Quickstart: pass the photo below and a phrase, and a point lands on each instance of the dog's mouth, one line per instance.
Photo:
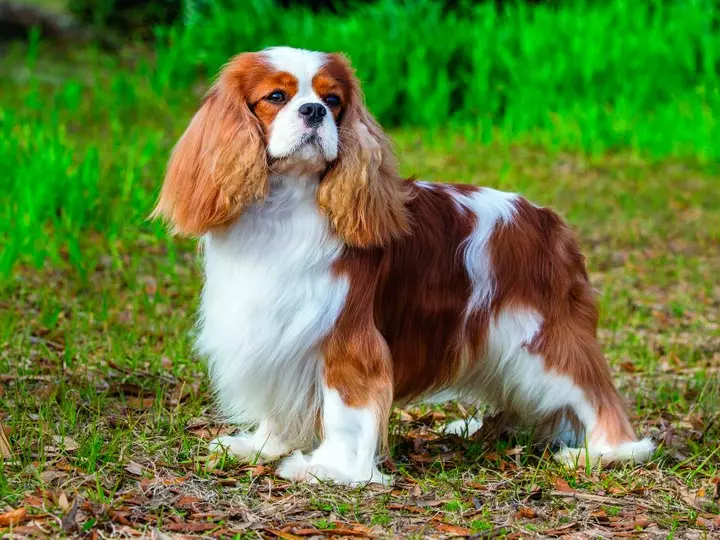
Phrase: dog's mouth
(310, 139)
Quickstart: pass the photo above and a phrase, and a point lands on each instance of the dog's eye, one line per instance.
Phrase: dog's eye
(278, 96)
(332, 100)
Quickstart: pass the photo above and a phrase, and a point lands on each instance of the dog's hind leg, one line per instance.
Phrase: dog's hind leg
(555, 377)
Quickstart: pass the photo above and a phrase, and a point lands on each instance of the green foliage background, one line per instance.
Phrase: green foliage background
(84, 152)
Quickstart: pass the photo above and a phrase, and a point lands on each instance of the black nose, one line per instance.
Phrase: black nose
(313, 113)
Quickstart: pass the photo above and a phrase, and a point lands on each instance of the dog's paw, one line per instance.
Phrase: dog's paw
(240, 446)
(294, 467)
(301, 468)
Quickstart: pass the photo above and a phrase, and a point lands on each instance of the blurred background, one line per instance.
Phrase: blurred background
(607, 110)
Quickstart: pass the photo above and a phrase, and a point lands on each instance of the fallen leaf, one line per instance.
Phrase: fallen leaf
(453, 529)
(49, 477)
(13, 517)
(562, 485)
(256, 470)
(190, 526)
(284, 535)
(149, 482)
(525, 512)
(67, 443)
(69, 520)
(134, 468)
(5, 450)
(631, 525)
(708, 523)
(628, 367)
(33, 500)
(339, 531)
(187, 500)
(121, 517)
(559, 531)
(62, 502)
(404, 416)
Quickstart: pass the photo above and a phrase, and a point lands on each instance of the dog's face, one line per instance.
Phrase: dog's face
(294, 113)
(299, 101)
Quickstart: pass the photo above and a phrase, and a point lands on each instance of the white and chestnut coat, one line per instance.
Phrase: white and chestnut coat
(335, 288)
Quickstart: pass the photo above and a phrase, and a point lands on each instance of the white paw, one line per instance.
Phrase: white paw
(300, 468)
(464, 428)
(247, 447)
(294, 467)
(632, 452)
(238, 445)
(570, 457)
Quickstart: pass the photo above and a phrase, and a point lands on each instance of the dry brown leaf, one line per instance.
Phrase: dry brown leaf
(149, 482)
(13, 517)
(62, 502)
(140, 403)
(284, 535)
(33, 500)
(190, 526)
(256, 470)
(120, 517)
(339, 531)
(631, 525)
(404, 416)
(562, 485)
(50, 476)
(69, 521)
(525, 512)
(5, 450)
(559, 531)
(187, 500)
(708, 523)
(452, 529)
(628, 367)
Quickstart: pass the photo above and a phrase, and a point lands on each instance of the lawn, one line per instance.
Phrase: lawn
(106, 410)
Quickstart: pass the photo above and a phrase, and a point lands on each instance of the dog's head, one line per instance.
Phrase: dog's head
(291, 113)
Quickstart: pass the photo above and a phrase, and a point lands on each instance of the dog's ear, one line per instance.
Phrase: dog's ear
(219, 165)
(362, 193)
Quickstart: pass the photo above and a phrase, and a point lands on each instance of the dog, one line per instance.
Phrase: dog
(335, 288)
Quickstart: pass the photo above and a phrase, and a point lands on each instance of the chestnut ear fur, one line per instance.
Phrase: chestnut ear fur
(362, 193)
(219, 165)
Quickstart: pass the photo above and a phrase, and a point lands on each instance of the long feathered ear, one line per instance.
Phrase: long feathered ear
(362, 193)
(219, 164)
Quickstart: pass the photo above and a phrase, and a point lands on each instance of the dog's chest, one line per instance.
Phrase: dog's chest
(270, 293)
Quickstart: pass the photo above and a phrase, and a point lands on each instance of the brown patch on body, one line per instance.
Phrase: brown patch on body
(538, 264)
(423, 293)
(409, 299)
(405, 306)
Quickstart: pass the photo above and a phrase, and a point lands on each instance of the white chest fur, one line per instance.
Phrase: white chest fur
(269, 299)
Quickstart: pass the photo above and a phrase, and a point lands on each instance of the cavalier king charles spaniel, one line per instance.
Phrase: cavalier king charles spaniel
(334, 288)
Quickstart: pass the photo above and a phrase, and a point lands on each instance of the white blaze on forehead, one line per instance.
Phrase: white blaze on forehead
(300, 63)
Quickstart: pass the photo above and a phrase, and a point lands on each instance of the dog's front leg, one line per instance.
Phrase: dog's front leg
(357, 397)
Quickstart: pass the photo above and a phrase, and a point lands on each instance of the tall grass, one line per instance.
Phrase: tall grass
(81, 159)
(587, 75)
(82, 154)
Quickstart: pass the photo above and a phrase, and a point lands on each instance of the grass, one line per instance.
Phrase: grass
(107, 412)
(582, 74)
